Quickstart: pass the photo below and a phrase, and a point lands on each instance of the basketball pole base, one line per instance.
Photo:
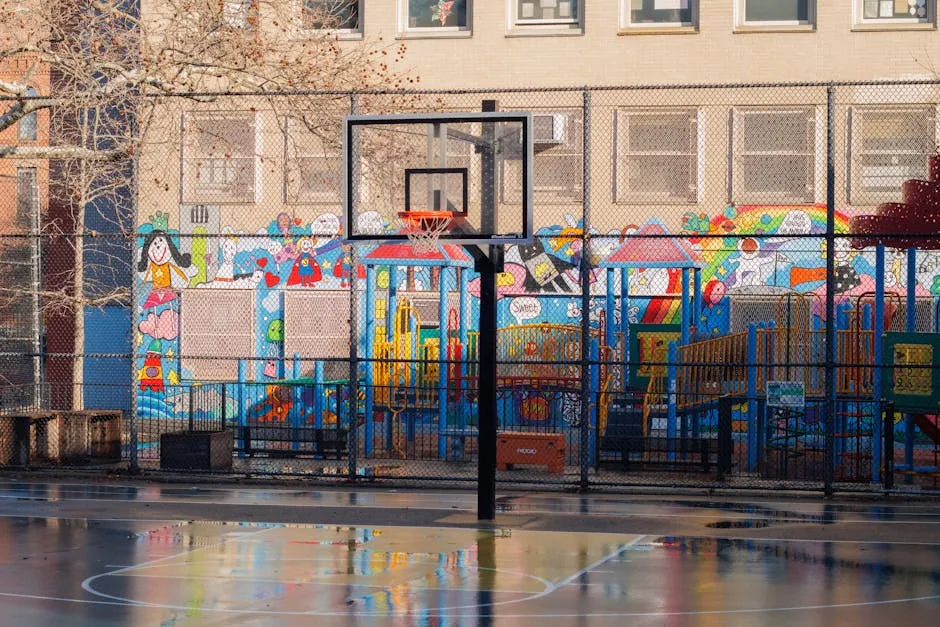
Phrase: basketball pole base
(488, 266)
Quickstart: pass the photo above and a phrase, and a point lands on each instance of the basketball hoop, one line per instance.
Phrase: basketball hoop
(424, 228)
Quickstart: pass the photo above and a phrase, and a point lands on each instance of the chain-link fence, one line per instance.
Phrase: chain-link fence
(726, 285)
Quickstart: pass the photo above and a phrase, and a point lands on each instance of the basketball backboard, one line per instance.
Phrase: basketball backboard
(476, 167)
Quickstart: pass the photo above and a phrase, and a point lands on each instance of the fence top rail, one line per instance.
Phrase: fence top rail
(544, 89)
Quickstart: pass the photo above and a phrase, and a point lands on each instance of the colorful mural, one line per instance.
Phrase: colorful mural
(540, 282)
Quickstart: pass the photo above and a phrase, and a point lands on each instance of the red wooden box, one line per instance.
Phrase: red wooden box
(538, 449)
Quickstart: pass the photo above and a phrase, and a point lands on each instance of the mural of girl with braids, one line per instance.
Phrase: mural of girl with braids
(165, 267)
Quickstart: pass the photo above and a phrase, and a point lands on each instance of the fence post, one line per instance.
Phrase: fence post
(725, 437)
(889, 445)
(751, 397)
(672, 370)
(585, 278)
(353, 417)
(830, 356)
(134, 463)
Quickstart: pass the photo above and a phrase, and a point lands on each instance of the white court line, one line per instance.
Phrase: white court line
(86, 584)
(359, 525)
(599, 562)
(442, 612)
(315, 582)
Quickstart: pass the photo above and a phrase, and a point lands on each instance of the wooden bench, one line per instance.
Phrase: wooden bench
(287, 441)
(662, 452)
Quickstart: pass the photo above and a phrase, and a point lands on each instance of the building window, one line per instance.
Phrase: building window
(775, 12)
(888, 146)
(27, 198)
(893, 12)
(436, 16)
(216, 332)
(28, 127)
(339, 15)
(657, 13)
(546, 13)
(219, 163)
(656, 156)
(239, 14)
(773, 156)
(558, 139)
(312, 166)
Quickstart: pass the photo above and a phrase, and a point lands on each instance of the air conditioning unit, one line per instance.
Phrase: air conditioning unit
(549, 128)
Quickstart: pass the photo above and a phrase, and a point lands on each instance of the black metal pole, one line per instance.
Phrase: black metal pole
(487, 266)
(830, 358)
(725, 437)
(888, 479)
(486, 492)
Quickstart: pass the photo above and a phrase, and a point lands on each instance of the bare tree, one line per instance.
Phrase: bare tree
(119, 70)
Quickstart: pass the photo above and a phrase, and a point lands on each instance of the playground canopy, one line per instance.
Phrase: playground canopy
(402, 254)
(652, 247)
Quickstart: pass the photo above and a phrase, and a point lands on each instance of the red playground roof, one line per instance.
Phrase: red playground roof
(401, 254)
(652, 247)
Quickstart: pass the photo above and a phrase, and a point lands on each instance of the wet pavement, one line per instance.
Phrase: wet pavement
(127, 561)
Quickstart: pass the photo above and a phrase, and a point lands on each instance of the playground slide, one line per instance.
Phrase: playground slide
(929, 426)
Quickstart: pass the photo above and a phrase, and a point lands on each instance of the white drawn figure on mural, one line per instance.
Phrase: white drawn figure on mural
(241, 281)
(846, 277)
(370, 223)
(165, 267)
(649, 281)
(752, 267)
(226, 271)
(324, 228)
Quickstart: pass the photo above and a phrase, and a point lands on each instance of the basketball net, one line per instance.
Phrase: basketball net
(424, 228)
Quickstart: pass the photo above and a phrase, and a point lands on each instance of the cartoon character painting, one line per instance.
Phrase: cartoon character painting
(545, 272)
(306, 270)
(226, 271)
(165, 267)
(151, 375)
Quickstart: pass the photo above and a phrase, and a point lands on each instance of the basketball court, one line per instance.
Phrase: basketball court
(143, 554)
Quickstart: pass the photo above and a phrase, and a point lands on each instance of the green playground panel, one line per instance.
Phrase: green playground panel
(649, 351)
(913, 371)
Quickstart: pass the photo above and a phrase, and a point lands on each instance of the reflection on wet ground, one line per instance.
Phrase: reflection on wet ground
(708, 510)
(107, 572)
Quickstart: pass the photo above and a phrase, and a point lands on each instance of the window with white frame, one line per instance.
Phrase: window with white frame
(546, 12)
(216, 331)
(893, 11)
(775, 12)
(340, 15)
(656, 156)
(657, 13)
(557, 171)
(436, 15)
(888, 146)
(312, 166)
(774, 155)
(28, 128)
(239, 14)
(220, 161)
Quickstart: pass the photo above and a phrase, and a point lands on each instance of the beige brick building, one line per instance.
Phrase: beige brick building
(653, 152)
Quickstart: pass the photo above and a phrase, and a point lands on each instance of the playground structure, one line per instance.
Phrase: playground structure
(408, 383)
